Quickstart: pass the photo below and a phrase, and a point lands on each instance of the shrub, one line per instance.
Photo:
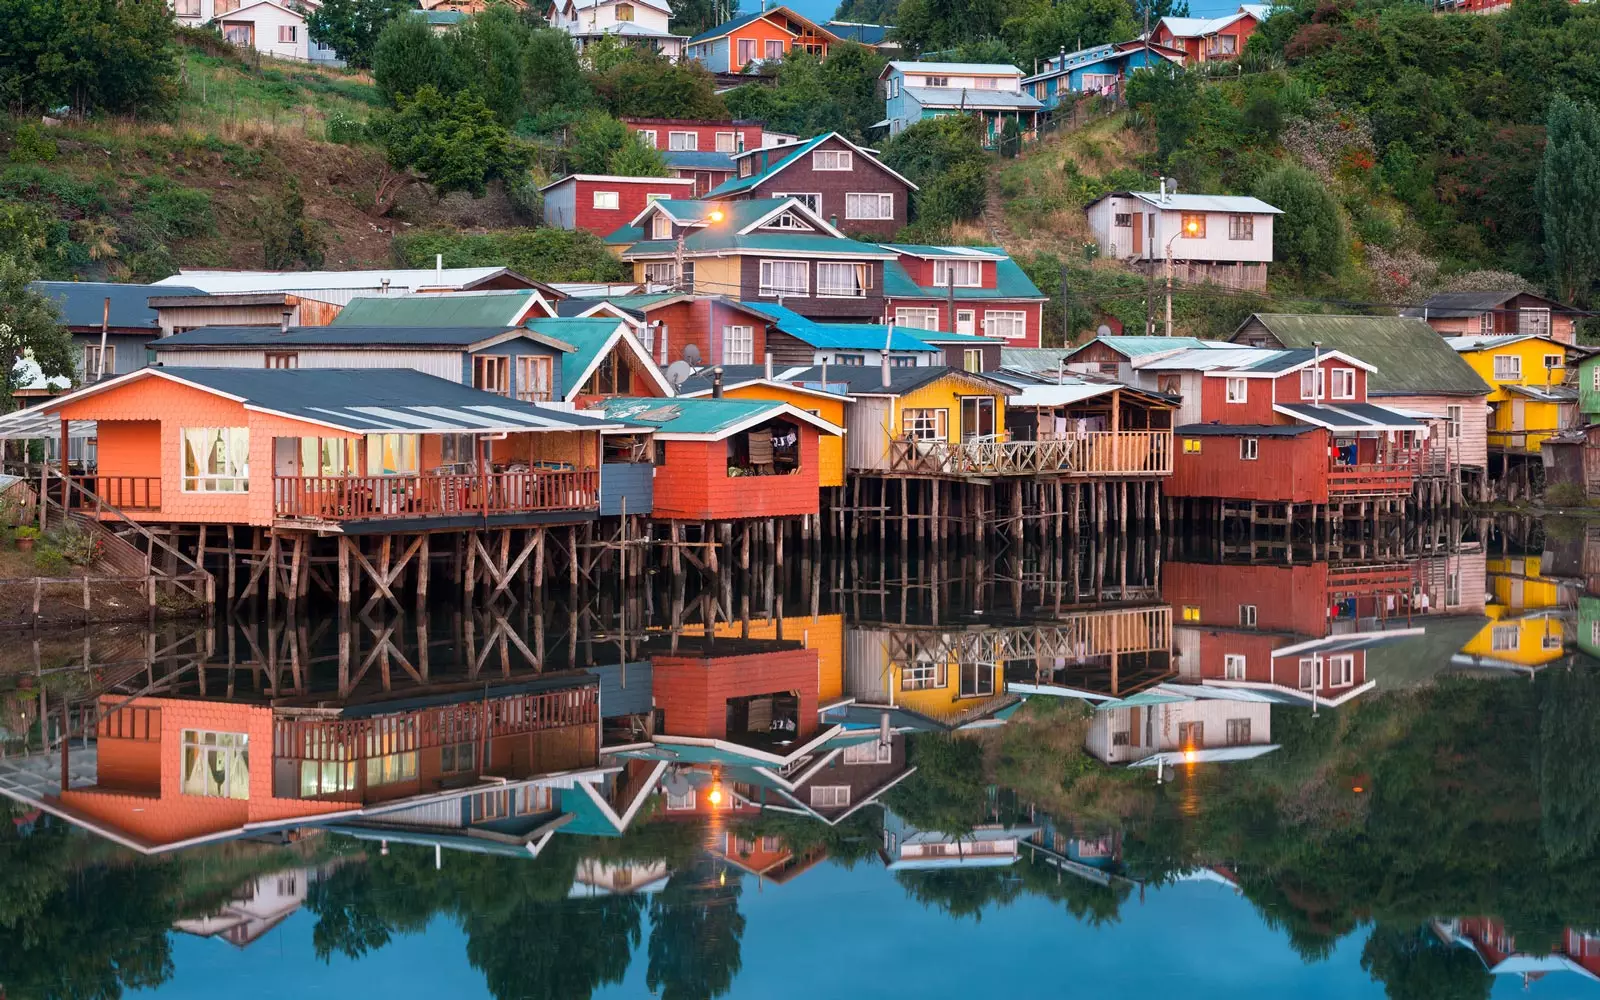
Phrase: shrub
(48, 561)
(1310, 234)
(1565, 495)
(77, 545)
(30, 144)
(174, 211)
(345, 129)
(27, 531)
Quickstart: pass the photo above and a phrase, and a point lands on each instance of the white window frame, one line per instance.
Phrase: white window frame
(967, 273)
(829, 796)
(996, 323)
(1249, 449)
(925, 423)
(690, 142)
(859, 279)
(1560, 361)
(916, 317)
(854, 202)
(235, 442)
(738, 345)
(1511, 370)
(936, 81)
(1317, 379)
(766, 49)
(600, 198)
(745, 45)
(1452, 416)
(922, 675)
(1534, 320)
(91, 360)
(1234, 666)
(1238, 390)
(810, 199)
(649, 134)
(789, 222)
(767, 289)
(1343, 385)
(834, 160)
(292, 31)
(660, 226)
(1247, 616)
(871, 752)
(664, 272)
(234, 749)
(1594, 377)
(1308, 681)
(1505, 638)
(1341, 670)
(972, 359)
(732, 142)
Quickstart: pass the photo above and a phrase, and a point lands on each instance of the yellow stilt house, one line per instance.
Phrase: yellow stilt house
(1532, 397)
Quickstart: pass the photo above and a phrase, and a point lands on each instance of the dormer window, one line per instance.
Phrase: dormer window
(790, 221)
(624, 11)
(660, 226)
(746, 167)
(961, 273)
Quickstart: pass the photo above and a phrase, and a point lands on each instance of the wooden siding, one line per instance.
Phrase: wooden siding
(865, 176)
(1472, 448)
(830, 448)
(1291, 599)
(865, 309)
(868, 430)
(444, 364)
(980, 309)
(1287, 469)
(694, 484)
(693, 692)
(626, 485)
(570, 204)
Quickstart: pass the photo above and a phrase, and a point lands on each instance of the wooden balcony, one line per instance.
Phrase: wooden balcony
(347, 498)
(1374, 479)
(1097, 453)
(135, 493)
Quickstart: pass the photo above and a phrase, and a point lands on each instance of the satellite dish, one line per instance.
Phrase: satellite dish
(1102, 330)
(691, 354)
(678, 373)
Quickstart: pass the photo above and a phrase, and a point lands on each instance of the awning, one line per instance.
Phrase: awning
(1209, 755)
(33, 425)
(1350, 417)
(882, 124)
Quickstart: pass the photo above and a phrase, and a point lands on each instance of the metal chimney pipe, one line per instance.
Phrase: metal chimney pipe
(283, 321)
(716, 382)
(769, 366)
(438, 268)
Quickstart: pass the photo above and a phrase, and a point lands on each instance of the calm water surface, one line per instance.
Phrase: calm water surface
(1152, 768)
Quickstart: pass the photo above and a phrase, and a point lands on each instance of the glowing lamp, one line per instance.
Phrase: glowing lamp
(716, 215)
(1189, 756)
(715, 798)
(1193, 227)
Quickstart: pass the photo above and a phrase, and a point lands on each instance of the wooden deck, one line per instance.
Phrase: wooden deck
(1096, 454)
(347, 498)
(1377, 479)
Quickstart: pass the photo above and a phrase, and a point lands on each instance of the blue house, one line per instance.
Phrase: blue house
(792, 339)
(122, 311)
(913, 91)
(1100, 69)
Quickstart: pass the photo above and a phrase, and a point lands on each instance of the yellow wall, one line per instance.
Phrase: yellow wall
(830, 448)
(944, 702)
(945, 394)
(1536, 416)
(1518, 584)
(1531, 352)
(712, 275)
(1539, 639)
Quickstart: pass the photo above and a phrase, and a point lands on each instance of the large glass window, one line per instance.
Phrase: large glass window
(868, 206)
(924, 424)
(328, 456)
(784, 277)
(840, 280)
(1009, 323)
(977, 417)
(391, 454)
(961, 273)
(216, 765)
(216, 460)
(738, 345)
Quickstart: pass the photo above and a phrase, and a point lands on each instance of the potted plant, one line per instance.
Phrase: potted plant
(26, 536)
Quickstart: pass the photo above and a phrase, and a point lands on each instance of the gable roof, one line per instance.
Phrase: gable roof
(1011, 281)
(866, 34)
(867, 380)
(1195, 202)
(745, 376)
(1478, 342)
(395, 279)
(350, 337)
(968, 97)
(361, 400)
(1199, 27)
(501, 308)
(845, 336)
(729, 27)
(1456, 305)
(1409, 357)
(740, 230)
(950, 68)
(698, 418)
(82, 303)
(1292, 359)
(791, 155)
(592, 340)
(1135, 346)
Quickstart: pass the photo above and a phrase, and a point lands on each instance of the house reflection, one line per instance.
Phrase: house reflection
(253, 908)
(1578, 952)
(1531, 613)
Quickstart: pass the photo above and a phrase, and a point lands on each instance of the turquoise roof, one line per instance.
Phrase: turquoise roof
(589, 338)
(841, 336)
(735, 185)
(727, 26)
(1135, 347)
(486, 309)
(624, 235)
(587, 819)
(1011, 282)
(689, 416)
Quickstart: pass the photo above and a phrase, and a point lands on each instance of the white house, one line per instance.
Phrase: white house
(1220, 238)
(641, 22)
(913, 91)
(274, 28)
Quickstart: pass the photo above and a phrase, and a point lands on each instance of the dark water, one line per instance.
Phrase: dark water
(1148, 769)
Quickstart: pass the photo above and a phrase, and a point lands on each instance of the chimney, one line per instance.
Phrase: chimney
(833, 220)
(769, 366)
(283, 321)
(716, 382)
(384, 289)
(438, 268)
(886, 370)
(1163, 189)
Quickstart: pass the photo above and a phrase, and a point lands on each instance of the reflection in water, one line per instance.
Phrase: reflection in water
(1390, 741)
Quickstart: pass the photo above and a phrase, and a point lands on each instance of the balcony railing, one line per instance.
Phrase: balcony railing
(1373, 479)
(125, 492)
(1097, 453)
(344, 498)
(1520, 441)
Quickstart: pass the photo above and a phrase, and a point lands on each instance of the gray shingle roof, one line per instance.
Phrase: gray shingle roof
(1410, 357)
(455, 337)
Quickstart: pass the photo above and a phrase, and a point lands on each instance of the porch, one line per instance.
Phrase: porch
(345, 498)
(1094, 453)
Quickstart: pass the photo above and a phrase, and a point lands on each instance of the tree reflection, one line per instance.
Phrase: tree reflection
(1416, 965)
(695, 932)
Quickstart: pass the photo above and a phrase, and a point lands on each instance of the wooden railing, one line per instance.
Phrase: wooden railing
(1520, 441)
(125, 492)
(1377, 478)
(533, 395)
(1097, 453)
(341, 498)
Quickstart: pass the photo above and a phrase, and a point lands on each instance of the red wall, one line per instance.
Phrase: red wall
(692, 323)
(921, 271)
(1035, 311)
(705, 129)
(1287, 598)
(1195, 48)
(694, 484)
(693, 692)
(632, 196)
(1257, 408)
(1287, 469)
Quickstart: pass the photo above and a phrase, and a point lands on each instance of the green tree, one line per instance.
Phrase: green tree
(1309, 236)
(638, 158)
(486, 54)
(1568, 193)
(691, 17)
(944, 157)
(352, 27)
(28, 326)
(1413, 964)
(596, 141)
(947, 793)
(551, 77)
(454, 143)
(545, 254)
(91, 55)
(407, 57)
(649, 86)
(695, 932)
(1039, 32)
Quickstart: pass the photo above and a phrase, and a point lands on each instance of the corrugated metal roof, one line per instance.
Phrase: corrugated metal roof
(971, 69)
(399, 279)
(1199, 202)
(733, 185)
(83, 303)
(1205, 359)
(1243, 430)
(970, 97)
(1011, 282)
(1350, 416)
(471, 309)
(1410, 358)
(344, 337)
(848, 336)
(1479, 343)
(696, 416)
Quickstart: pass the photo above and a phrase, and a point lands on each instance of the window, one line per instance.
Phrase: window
(660, 226)
(392, 768)
(902, 361)
(1222, 45)
(1121, 738)
(1534, 321)
(1098, 81)
(1194, 225)
(1122, 220)
(624, 11)
(916, 318)
(987, 83)
(391, 454)
(784, 277)
(922, 676)
(977, 417)
(738, 345)
(1238, 390)
(726, 141)
(843, 280)
(216, 765)
(972, 360)
(875, 752)
(533, 378)
(188, 8)
(665, 273)
(746, 167)
(282, 359)
(961, 273)
(286, 34)
(1452, 589)
(1452, 415)
(1238, 732)
(774, 49)
(1249, 449)
(938, 81)
(216, 459)
(869, 206)
(788, 220)
(1247, 616)
(1233, 667)
(1551, 362)
(1008, 323)
(1191, 446)
(1550, 641)
(925, 424)
(747, 52)
(830, 796)
(1341, 670)
(977, 680)
(608, 201)
(457, 758)
(683, 141)
(850, 360)
(1344, 383)
(1191, 613)
(830, 159)
(1505, 638)
(459, 449)
(1308, 673)
(492, 373)
(811, 201)
(1241, 227)
(1507, 367)
(91, 361)
(1486, 322)
(1312, 383)
(681, 799)
(1191, 735)
(649, 136)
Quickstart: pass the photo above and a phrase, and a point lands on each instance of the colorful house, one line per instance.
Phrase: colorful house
(1162, 725)
(765, 250)
(730, 459)
(993, 297)
(701, 150)
(752, 382)
(1530, 397)
(677, 326)
(637, 22)
(1208, 39)
(1500, 313)
(1528, 618)
(1100, 69)
(607, 359)
(600, 203)
(913, 91)
(763, 36)
(349, 450)
(832, 176)
(1223, 239)
(509, 308)
(988, 845)
(117, 316)
(793, 339)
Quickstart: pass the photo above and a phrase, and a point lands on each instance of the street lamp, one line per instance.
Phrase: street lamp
(1191, 228)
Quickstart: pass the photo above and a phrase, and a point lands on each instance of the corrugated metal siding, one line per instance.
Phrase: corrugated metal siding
(866, 666)
(624, 688)
(1290, 470)
(449, 813)
(867, 433)
(630, 481)
(445, 364)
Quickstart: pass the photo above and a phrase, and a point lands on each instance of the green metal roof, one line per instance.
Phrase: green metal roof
(486, 309)
(623, 235)
(1410, 356)
(1011, 283)
(589, 338)
(727, 27)
(734, 185)
(689, 416)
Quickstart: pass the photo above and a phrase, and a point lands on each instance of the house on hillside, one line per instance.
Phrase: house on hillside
(793, 340)
(763, 36)
(756, 382)
(507, 309)
(1100, 69)
(766, 250)
(913, 91)
(1164, 727)
(117, 316)
(338, 287)
(1116, 356)
(1224, 239)
(1208, 39)
(270, 27)
(637, 22)
(832, 176)
(676, 326)
(993, 296)
(701, 150)
(600, 203)
(1490, 313)
(1417, 373)
(879, 37)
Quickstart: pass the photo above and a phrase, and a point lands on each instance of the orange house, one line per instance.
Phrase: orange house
(764, 36)
(335, 449)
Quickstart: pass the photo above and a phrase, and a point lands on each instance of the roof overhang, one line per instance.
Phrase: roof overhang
(776, 410)
(623, 333)
(1332, 417)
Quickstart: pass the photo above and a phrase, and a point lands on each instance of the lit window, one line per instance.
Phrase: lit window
(1191, 446)
(1194, 225)
(216, 460)
(216, 765)
(1191, 613)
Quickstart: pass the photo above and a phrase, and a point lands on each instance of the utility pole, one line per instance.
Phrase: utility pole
(1066, 309)
(677, 272)
(1169, 288)
(950, 295)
